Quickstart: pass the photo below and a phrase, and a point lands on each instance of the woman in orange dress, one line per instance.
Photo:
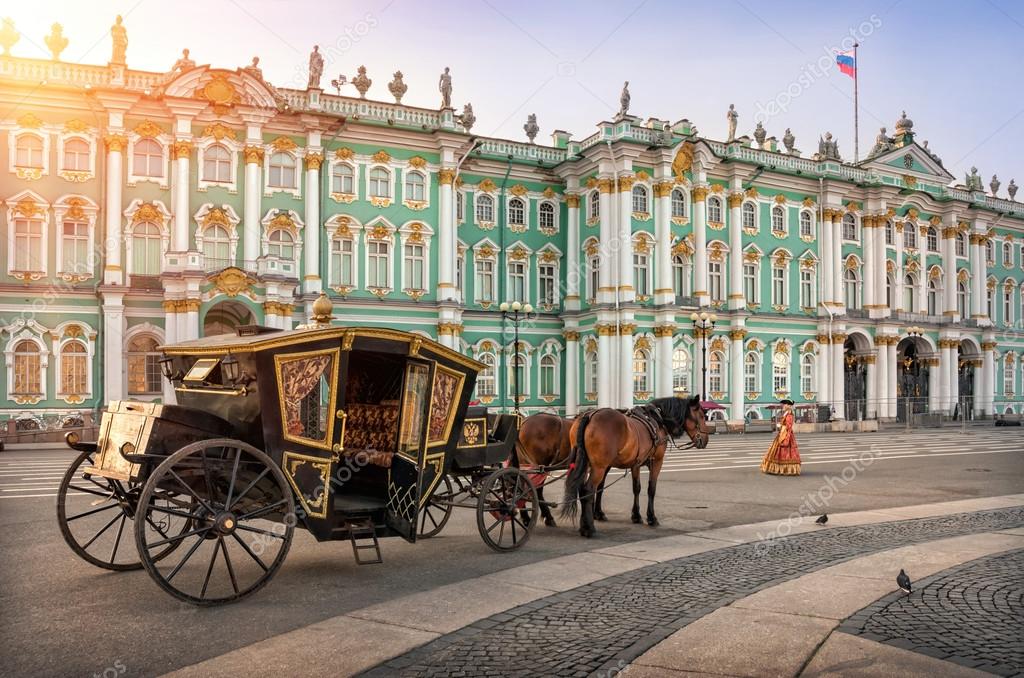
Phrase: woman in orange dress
(783, 457)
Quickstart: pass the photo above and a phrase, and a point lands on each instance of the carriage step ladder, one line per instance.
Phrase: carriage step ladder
(363, 536)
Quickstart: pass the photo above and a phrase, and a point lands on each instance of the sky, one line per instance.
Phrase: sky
(955, 67)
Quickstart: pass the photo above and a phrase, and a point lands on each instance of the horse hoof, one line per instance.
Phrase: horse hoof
(653, 522)
(587, 532)
(600, 516)
(550, 522)
(636, 519)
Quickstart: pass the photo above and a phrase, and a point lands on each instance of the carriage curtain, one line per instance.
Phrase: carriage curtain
(298, 379)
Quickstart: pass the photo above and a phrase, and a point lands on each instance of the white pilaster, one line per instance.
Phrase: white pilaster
(838, 377)
(607, 272)
(625, 363)
(170, 337)
(870, 272)
(949, 308)
(824, 368)
(663, 364)
(664, 293)
(572, 375)
(605, 363)
(890, 378)
(736, 394)
(251, 201)
(977, 281)
(944, 358)
(700, 246)
(446, 237)
(624, 225)
(181, 152)
(954, 375)
(827, 295)
(113, 273)
(575, 272)
(837, 259)
(191, 319)
(735, 298)
(899, 274)
(935, 387)
(113, 346)
(311, 281)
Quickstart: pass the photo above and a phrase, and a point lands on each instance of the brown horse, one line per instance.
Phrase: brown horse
(607, 438)
(544, 441)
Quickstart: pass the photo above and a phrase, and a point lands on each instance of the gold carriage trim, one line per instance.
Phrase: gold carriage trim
(292, 462)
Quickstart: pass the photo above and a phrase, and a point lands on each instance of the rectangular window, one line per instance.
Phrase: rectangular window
(715, 281)
(806, 289)
(594, 269)
(484, 280)
(414, 267)
(780, 378)
(778, 286)
(342, 259)
(75, 248)
(547, 284)
(28, 245)
(750, 283)
(377, 273)
(640, 274)
(750, 375)
(517, 281)
(807, 375)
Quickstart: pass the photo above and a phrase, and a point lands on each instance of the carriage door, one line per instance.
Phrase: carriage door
(406, 472)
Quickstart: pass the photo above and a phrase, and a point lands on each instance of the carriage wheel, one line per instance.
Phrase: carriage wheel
(228, 491)
(93, 513)
(435, 513)
(506, 509)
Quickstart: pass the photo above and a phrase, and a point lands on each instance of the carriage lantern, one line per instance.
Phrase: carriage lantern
(229, 367)
(167, 367)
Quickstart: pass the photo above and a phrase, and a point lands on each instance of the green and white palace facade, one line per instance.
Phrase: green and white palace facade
(142, 208)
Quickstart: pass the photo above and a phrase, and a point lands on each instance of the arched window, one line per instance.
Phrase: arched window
(76, 155)
(890, 233)
(908, 294)
(961, 245)
(961, 299)
(146, 249)
(485, 385)
(380, 183)
(282, 170)
(143, 365)
(641, 366)
(932, 239)
(849, 227)
(680, 371)
(343, 262)
(640, 199)
(1007, 255)
(678, 204)
(281, 244)
(74, 378)
(890, 285)
(27, 369)
(807, 374)
(933, 297)
(852, 284)
(590, 374)
(148, 159)
(28, 151)
(752, 372)
(716, 372)
(1008, 378)
(748, 212)
(909, 235)
(484, 209)
(548, 369)
(806, 225)
(1008, 306)
(216, 246)
(681, 275)
(778, 219)
(343, 179)
(516, 212)
(780, 372)
(594, 205)
(28, 245)
(546, 216)
(217, 164)
(714, 210)
(415, 187)
(990, 251)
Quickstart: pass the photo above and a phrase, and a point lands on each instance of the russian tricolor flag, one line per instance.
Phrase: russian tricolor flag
(847, 63)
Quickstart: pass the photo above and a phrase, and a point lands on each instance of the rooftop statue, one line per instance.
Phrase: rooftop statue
(789, 141)
(362, 82)
(827, 148)
(732, 116)
(119, 36)
(55, 41)
(994, 185)
(1011, 188)
(467, 119)
(397, 87)
(624, 100)
(316, 67)
(444, 85)
(760, 134)
(883, 143)
(531, 128)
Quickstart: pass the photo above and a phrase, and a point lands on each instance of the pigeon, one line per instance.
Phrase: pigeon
(822, 519)
(903, 581)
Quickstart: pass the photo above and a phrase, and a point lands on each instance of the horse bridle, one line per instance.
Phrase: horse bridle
(690, 445)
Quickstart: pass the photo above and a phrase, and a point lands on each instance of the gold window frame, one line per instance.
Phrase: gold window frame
(460, 379)
(279, 360)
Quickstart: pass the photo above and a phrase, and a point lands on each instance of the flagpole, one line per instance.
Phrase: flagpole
(856, 129)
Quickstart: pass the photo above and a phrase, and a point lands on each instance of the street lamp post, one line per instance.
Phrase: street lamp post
(515, 311)
(703, 324)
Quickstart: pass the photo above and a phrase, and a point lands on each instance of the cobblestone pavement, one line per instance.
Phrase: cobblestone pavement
(972, 614)
(607, 624)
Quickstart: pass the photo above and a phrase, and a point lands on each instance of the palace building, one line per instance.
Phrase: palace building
(144, 208)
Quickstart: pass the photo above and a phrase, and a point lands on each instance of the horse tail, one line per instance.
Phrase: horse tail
(578, 463)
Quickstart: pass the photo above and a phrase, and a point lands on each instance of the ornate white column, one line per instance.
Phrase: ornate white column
(663, 336)
(113, 345)
(954, 374)
(664, 292)
(838, 376)
(605, 363)
(191, 319)
(607, 272)
(181, 152)
(251, 201)
(823, 366)
(446, 236)
(988, 389)
(874, 387)
(979, 385)
(736, 298)
(572, 374)
(944, 370)
(890, 377)
(627, 292)
(934, 385)
(837, 259)
(625, 366)
(572, 256)
(113, 273)
(825, 255)
(977, 281)
(949, 308)
(899, 274)
(881, 269)
(311, 281)
(736, 394)
(170, 307)
(983, 277)
(700, 245)
(867, 224)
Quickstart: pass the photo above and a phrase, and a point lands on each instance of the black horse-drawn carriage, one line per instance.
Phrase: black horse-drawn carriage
(347, 432)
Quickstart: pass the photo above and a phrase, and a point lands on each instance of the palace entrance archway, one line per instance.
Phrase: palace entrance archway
(912, 375)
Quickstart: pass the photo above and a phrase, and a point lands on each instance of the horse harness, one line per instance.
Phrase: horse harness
(650, 418)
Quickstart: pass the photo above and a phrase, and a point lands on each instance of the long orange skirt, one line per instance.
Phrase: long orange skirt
(782, 459)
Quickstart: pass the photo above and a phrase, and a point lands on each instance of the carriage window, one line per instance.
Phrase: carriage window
(414, 401)
(444, 398)
(306, 384)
